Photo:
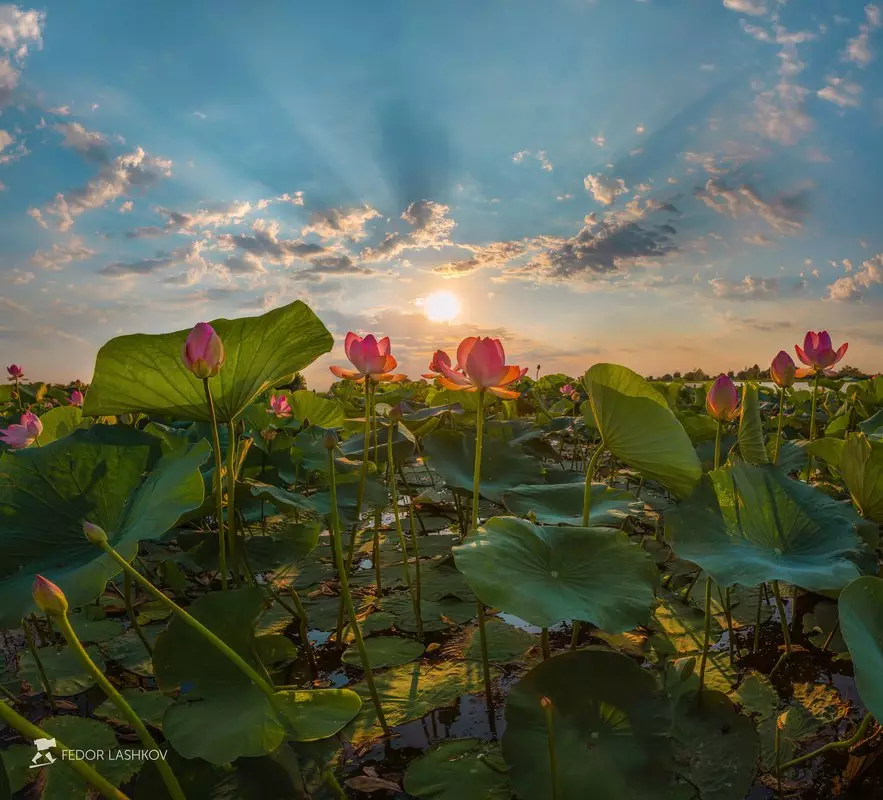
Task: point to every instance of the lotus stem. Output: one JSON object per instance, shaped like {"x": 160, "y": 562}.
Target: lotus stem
{"x": 717, "y": 444}
{"x": 133, "y": 617}
{"x": 546, "y": 705}
{"x": 779, "y": 426}
{"x": 363, "y": 473}
{"x": 776, "y": 745}
{"x": 231, "y": 499}
{"x": 831, "y": 635}
{"x": 218, "y": 480}
{"x": 856, "y": 737}
{"x": 414, "y": 538}
{"x": 348, "y": 598}
{"x": 304, "y": 630}
{"x": 731, "y": 634}
{"x": 375, "y": 553}
{"x": 165, "y": 771}
{"x": 190, "y": 620}
{"x": 544, "y": 643}
{"x": 476, "y": 486}
{"x": 394, "y": 494}
{"x": 783, "y": 620}
{"x": 761, "y": 599}
{"x": 812, "y": 425}
{"x": 81, "y": 768}
{"x": 706, "y": 637}
{"x": 32, "y": 647}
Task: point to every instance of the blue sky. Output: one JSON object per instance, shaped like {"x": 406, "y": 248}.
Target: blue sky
{"x": 664, "y": 184}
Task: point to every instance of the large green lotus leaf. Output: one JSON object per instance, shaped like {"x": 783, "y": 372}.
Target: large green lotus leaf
{"x": 640, "y": 429}
{"x": 307, "y": 406}
{"x": 562, "y": 503}
{"x": 59, "y": 422}
{"x": 861, "y": 621}
{"x": 609, "y": 731}
{"x": 503, "y": 467}
{"x": 458, "y": 770}
{"x": 828, "y": 449}
{"x": 384, "y": 651}
{"x": 505, "y": 643}
{"x": 116, "y": 477}
{"x": 144, "y": 372}
{"x": 752, "y": 447}
{"x": 150, "y": 706}
{"x": 548, "y": 574}
{"x": 64, "y": 670}
{"x": 751, "y": 524}
{"x": 861, "y": 465}
{"x": 699, "y": 427}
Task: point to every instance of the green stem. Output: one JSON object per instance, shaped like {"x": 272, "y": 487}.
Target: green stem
{"x": 394, "y": 494}
{"x": 219, "y": 490}
{"x": 776, "y": 744}
{"x": 812, "y": 425}
{"x": 363, "y": 473}
{"x": 544, "y": 642}
{"x": 782, "y": 618}
{"x": 82, "y": 768}
{"x": 133, "y": 617}
{"x": 717, "y": 444}
{"x": 194, "y": 623}
{"x": 348, "y": 598}
{"x": 304, "y": 630}
{"x": 859, "y": 734}
{"x": 375, "y": 553}
{"x": 706, "y": 637}
{"x": 731, "y": 635}
{"x": 761, "y": 595}
{"x": 415, "y": 539}
{"x": 231, "y": 499}
{"x": 550, "y": 735}
{"x": 165, "y": 771}
{"x": 779, "y": 426}
{"x": 476, "y": 486}
{"x": 590, "y": 475}
{"x": 32, "y": 647}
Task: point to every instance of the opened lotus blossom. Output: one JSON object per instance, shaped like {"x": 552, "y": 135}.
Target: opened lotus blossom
{"x": 20, "y": 436}
{"x": 783, "y": 370}
{"x": 722, "y": 400}
{"x": 483, "y": 362}
{"x": 566, "y": 390}
{"x": 77, "y": 398}
{"x": 15, "y": 372}
{"x": 438, "y": 358}
{"x": 371, "y": 359}
{"x": 818, "y": 354}
{"x": 279, "y": 406}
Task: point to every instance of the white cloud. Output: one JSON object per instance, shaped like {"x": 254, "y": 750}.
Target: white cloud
{"x": 853, "y": 287}
{"x": 749, "y": 288}
{"x": 605, "y": 190}
{"x": 540, "y": 156}
{"x": 336, "y": 223}
{"x": 62, "y": 254}
{"x": 520, "y": 156}
{"x": 858, "y": 49}
{"x": 640, "y": 129}
{"x": 841, "y": 92}
{"x": 126, "y": 207}
{"x": 19, "y": 276}
{"x": 599, "y": 140}
{"x": 431, "y": 225}
{"x": 752, "y": 7}
{"x": 60, "y": 111}
{"x": 19, "y": 30}
{"x": 784, "y": 214}
{"x": 89, "y": 144}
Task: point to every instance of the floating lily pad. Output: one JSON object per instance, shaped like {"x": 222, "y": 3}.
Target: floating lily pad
{"x": 150, "y": 706}
{"x": 819, "y": 625}
{"x": 505, "y": 643}
{"x": 384, "y": 651}
{"x": 548, "y": 574}
{"x": 129, "y": 652}
{"x": 458, "y": 770}
{"x": 562, "y": 504}
{"x": 95, "y": 630}
{"x": 436, "y": 615}
{"x": 66, "y": 673}
{"x": 861, "y": 621}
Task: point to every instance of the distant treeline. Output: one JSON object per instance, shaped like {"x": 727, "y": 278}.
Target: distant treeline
{"x": 754, "y": 373}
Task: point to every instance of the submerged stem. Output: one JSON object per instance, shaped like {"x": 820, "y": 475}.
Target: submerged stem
{"x": 783, "y": 620}
{"x": 706, "y": 637}
{"x": 218, "y": 481}
{"x": 546, "y": 704}
{"x": 32, "y": 647}
{"x": 841, "y": 745}
{"x": 394, "y": 494}
{"x": 133, "y": 617}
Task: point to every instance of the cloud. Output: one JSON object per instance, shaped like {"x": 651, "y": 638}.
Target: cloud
{"x": 126, "y": 207}
{"x": 841, "y": 92}
{"x": 749, "y": 288}
{"x": 6, "y": 141}
{"x": 337, "y": 223}
{"x": 759, "y": 239}
{"x": 496, "y": 254}
{"x": 190, "y": 221}
{"x": 296, "y": 199}
{"x": 599, "y": 140}
{"x": 62, "y": 254}
{"x": 266, "y": 244}
{"x": 126, "y": 173}
{"x": 640, "y": 129}
{"x": 783, "y": 214}
{"x": 605, "y": 190}
{"x": 91, "y": 145}
{"x": 190, "y": 255}
{"x": 858, "y": 49}
{"x": 19, "y": 31}
{"x": 852, "y": 287}
{"x": 431, "y": 228}
{"x": 60, "y": 111}
{"x": 244, "y": 264}
{"x": 20, "y": 276}
{"x": 752, "y": 7}
{"x": 540, "y": 156}
{"x": 11, "y": 305}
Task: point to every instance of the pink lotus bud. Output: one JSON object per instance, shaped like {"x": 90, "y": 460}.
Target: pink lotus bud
{"x": 783, "y": 370}
{"x": 329, "y": 439}
{"x": 49, "y": 597}
{"x": 396, "y": 413}
{"x": 203, "y": 352}
{"x": 722, "y": 400}
{"x": 566, "y": 390}
{"x": 818, "y": 354}
{"x": 24, "y": 434}
{"x": 77, "y": 398}
{"x": 15, "y": 372}
{"x": 94, "y": 533}
{"x": 546, "y": 702}
{"x": 279, "y": 406}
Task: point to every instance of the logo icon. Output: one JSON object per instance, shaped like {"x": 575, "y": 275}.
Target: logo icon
{"x": 43, "y": 757}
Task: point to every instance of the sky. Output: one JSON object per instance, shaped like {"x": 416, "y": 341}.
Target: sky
{"x": 665, "y": 184}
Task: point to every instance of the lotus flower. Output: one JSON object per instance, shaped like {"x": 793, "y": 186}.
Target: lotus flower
{"x": 48, "y": 597}
{"x": 818, "y": 354}
{"x": 722, "y": 400}
{"x": 370, "y": 358}
{"x": 567, "y": 390}
{"x": 783, "y": 370}
{"x": 203, "y": 352}
{"x": 20, "y": 436}
{"x": 279, "y": 406}
{"x": 483, "y": 362}
{"x": 16, "y": 372}
{"x": 77, "y": 398}
{"x": 439, "y": 357}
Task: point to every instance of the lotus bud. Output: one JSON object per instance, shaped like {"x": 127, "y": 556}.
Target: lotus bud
{"x": 77, "y": 398}
{"x": 395, "y": 414}
{"x": 49, "y": 597}
{"x": 329, "y": 439}
{"x": 783, "y": 370}
{"x": 722, "y": 401}
{"x": 15, "y": 372}
{"x": 94, "y": 533}
{"x": 545, "y": 702}
{"x": 203, "y": 351}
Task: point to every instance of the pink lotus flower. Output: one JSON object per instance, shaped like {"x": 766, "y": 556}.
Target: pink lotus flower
{"x": 567, "y": 390}
{"x": 439, "y": 357}
{"x": 722, "y": 400}
{"x": 370, "y": 358}
{"x": 15, "y": 372}
{"x": 818, "y": 354}
{"x": 279, "y": 406}
{"x": 48, "y": 597}
{"x": 20, "y": 436}
{"x": 77, "y": 398}
{"x": 203, "y": 352}
{"x": 483, "y": 362}
{"x": 783, "y": 370}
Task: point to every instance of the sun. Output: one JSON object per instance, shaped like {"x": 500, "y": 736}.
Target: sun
{"x": 441, "y": 306}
